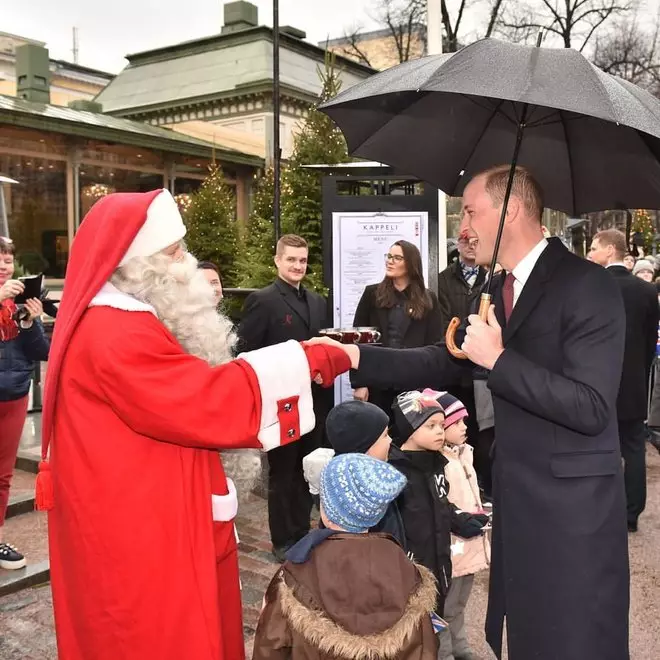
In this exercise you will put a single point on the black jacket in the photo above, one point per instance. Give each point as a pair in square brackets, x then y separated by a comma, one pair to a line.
[422, 332]
[455, 295]
[426, 513]
[559, 514]
[275, 314]
[640, 300]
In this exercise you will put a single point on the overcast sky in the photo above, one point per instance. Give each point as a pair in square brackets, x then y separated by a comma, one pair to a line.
[108, 31]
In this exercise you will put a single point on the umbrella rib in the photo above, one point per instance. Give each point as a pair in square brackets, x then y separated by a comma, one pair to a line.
[474, 100]
[570, 159]
[495, 111]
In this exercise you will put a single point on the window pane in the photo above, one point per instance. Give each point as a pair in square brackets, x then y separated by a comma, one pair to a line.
[37, 212]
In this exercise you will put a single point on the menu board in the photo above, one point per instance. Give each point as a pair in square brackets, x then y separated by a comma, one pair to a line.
[360, 242]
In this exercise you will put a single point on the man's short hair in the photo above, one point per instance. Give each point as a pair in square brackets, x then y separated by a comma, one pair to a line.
[615, 238]
[208, 265]
[290, 240]
[525, 187]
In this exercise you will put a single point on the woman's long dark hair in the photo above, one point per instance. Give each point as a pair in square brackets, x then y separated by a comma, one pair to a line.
[419, 300]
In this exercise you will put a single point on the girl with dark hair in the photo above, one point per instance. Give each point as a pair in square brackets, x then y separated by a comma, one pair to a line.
[405, 312]
[22, 343]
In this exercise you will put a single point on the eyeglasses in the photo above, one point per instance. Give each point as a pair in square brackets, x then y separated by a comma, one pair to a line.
[396, 258]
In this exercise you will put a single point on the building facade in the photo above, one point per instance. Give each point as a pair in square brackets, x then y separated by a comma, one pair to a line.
[68, 81]
[226, 81]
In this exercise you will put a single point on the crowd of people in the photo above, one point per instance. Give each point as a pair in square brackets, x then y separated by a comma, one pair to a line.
[381, 509]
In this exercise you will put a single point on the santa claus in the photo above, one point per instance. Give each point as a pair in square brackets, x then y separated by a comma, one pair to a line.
[141, 394]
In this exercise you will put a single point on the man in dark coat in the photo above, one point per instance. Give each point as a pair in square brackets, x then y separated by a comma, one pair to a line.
[554, 346]
[459, 286]
[640, 301]
[281, 311]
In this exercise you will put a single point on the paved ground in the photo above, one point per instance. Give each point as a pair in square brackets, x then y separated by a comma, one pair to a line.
[26, 623]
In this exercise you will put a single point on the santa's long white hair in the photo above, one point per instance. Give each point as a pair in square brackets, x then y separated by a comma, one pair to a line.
[184, 302]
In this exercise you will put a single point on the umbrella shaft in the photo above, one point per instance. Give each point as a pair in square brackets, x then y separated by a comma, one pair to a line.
[507, 194]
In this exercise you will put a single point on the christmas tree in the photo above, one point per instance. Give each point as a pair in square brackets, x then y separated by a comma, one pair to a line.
[255, 264]
[319, 141]
[643, 224]
[212, 228]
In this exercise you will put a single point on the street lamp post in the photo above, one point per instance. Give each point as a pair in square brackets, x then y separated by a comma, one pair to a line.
[434, 46]
[277, 155]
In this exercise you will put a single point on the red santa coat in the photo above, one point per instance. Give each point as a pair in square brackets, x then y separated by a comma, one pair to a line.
[139, 568]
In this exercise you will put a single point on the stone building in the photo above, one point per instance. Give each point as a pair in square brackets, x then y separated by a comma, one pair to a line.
[67, 81]
[225, 82]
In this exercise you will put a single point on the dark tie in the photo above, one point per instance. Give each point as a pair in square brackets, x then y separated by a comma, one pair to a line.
[507, 295]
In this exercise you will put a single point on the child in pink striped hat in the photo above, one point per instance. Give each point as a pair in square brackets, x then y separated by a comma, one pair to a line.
[468, 556]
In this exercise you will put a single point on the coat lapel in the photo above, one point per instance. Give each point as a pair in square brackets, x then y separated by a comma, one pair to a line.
[297, 305]
[534, 288]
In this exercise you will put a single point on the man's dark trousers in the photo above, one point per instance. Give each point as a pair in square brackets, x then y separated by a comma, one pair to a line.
[632, 437]
[289, 499]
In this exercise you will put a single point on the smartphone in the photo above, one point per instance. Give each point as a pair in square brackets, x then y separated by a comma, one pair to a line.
[33, 285]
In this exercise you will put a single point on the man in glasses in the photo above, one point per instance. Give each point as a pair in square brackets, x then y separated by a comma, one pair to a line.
[459, 286]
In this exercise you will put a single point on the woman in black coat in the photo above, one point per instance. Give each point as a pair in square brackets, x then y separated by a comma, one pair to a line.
[405, 312]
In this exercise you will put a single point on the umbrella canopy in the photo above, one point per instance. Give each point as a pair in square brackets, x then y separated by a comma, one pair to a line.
[591, 139]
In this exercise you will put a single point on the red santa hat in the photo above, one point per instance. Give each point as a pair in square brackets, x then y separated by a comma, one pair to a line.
[117, 228]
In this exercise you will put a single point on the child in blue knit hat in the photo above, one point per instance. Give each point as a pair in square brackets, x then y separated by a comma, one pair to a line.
[361, 428]
[344, 591]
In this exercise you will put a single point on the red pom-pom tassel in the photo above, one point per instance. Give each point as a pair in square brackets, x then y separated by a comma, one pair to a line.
[44, 499]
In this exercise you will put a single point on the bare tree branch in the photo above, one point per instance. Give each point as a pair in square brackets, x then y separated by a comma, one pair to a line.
[631, 52]
[575, 22]
[352, 48]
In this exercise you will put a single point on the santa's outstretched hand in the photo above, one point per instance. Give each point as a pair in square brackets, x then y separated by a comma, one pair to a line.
[325, 377]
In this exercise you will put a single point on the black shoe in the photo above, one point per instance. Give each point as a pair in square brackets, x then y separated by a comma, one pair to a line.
[632, 527]
[10, 558]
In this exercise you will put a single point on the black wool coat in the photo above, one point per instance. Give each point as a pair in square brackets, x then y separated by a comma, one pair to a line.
[560, 549]
[640, 300]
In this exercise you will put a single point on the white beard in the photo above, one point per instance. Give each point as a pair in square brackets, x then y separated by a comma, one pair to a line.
[185, 304]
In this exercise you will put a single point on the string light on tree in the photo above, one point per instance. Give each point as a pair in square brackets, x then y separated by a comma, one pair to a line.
[642, 223]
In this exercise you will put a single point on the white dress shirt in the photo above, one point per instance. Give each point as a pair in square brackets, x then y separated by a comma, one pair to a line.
[525, 267]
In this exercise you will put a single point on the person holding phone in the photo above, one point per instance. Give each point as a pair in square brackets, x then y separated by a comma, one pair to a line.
[22, 343]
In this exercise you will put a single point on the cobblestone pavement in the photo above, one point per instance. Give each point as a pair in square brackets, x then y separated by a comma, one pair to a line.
[26, 622]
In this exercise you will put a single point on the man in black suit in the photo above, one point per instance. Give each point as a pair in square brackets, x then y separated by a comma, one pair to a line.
[640, 301]
[281, 311]
[553, 345]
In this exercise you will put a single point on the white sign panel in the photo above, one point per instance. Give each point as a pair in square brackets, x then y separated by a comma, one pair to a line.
[360, 242]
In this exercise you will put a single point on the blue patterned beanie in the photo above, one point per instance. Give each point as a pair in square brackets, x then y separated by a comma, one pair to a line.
[356, 490]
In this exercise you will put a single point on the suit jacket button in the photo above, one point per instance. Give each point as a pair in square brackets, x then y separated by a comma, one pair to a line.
[287, 407]
[291, 433]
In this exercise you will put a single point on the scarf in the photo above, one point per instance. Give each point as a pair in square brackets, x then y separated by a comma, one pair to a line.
[8, 327]
[470, 273]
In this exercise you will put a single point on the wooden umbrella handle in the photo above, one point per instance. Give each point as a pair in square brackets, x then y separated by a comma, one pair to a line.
[484, 306]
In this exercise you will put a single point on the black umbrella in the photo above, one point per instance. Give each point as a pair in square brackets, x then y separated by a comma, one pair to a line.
[592, 140]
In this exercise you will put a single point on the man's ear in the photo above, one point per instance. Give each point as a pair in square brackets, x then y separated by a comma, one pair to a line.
[512, 209]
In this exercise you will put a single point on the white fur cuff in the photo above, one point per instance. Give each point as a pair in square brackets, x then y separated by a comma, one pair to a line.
[287, 408]
[225, 507]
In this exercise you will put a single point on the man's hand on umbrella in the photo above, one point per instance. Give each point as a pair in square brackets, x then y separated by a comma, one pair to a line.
[483, 340]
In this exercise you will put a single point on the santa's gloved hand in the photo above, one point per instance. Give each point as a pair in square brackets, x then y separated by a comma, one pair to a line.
[466, 525]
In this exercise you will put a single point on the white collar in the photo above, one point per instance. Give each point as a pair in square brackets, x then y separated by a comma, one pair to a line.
[111, 296]
[526, 265]
[616, 263]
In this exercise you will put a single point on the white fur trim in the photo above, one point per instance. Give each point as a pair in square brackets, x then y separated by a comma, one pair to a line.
[225, 507]
[283, 373]
[162, 228]
[111, 296]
